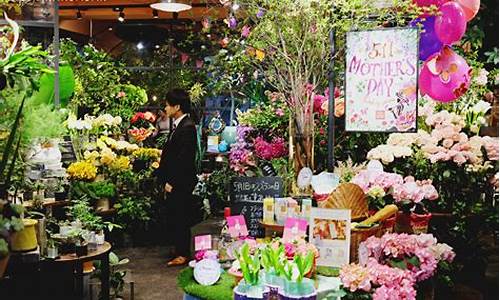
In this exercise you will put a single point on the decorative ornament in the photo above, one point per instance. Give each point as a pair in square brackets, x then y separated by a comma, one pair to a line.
[304, 178]
[216, 125]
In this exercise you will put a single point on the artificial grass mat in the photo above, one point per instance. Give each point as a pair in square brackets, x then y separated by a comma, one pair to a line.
[222, 290]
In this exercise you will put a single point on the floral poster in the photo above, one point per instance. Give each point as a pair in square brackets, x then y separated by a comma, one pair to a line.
[381, 80]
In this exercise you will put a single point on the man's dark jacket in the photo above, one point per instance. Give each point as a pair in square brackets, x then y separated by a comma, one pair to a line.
[177, 165]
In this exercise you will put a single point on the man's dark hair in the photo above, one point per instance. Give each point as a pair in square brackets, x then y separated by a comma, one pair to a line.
[179, 97]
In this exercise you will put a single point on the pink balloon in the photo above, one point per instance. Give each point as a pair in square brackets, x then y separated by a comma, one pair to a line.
[423, 3]
[470, 7]
[450, 25]
[445, 76]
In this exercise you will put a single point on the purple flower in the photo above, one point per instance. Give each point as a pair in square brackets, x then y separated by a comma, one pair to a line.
[232, 23]
[261, 12]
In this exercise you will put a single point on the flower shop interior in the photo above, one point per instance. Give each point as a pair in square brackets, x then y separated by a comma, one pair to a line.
[342, 149]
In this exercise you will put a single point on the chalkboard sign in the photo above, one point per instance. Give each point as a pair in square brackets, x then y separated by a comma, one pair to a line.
[247, 195]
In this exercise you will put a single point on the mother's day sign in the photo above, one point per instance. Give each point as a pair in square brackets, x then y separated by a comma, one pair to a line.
[381, 80]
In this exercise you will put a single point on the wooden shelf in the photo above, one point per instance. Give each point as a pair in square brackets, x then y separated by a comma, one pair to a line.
[48, 202]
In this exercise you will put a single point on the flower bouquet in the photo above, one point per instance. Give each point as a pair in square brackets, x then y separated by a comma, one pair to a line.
[142, 126]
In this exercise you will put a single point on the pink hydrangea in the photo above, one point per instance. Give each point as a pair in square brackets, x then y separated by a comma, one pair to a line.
[367, 179]
[414, 191]
[355, 277]
[403, 246]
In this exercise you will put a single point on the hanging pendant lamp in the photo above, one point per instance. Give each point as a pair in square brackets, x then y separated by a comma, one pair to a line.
[171, 6]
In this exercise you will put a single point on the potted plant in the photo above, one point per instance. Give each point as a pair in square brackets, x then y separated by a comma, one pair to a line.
[103, 191]
[52, 249]
[411, 196]
[296, 285]
[117, 275]
[250, 287]
[10, 222]
[61, 192]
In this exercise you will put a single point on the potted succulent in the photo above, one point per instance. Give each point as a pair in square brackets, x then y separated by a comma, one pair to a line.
[10, 222]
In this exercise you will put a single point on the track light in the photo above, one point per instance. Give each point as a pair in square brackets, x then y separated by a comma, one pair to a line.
[78, 15]
[155, 14]
[140, 46]
[121, 16]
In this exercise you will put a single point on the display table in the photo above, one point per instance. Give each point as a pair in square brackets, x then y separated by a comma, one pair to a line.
[272, 230]
[223, 289]
[102, 254]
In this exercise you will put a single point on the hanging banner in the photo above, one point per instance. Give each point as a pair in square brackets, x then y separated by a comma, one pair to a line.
[381, 78]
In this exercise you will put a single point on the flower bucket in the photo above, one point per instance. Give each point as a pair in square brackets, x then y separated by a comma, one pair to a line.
[294, 290]
[244, 291]
[420, 223]
[139, 165]
[25, 240]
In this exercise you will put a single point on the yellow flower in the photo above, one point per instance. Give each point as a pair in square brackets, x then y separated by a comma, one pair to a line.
[120, 164]
[82, 170]
[107, 156]
[147, 153]
[155, 165]
[91, 156]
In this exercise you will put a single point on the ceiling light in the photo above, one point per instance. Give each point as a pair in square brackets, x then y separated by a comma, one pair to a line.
[155, 14]
[171, 6]
[78, 15]
[155, 98]
[140, 46]
[121, 16]
[110, 28]
[157, 46]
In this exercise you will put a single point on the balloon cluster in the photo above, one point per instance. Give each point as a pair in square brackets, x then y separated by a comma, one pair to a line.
[445, 75]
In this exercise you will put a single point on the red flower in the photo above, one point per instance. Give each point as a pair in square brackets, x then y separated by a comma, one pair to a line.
[137, 117]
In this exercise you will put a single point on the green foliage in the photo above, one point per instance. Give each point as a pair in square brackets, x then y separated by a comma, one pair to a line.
[222, 290]
[272, 258]
[99, 86]
[94, 190]
[42, 121]
[81, 210]
[133, 210]
[304, 264]
[47, 83]
[117, 275]
[249, 264]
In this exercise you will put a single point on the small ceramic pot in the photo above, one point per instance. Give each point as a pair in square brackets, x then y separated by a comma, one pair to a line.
[52, 252]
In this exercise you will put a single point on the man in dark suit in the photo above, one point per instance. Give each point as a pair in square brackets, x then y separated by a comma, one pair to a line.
[177, 172]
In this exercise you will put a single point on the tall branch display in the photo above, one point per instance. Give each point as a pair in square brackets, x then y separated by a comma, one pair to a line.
[291, 44]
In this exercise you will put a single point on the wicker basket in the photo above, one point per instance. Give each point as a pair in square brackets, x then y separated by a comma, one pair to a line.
[359, 235]
[348, 196]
